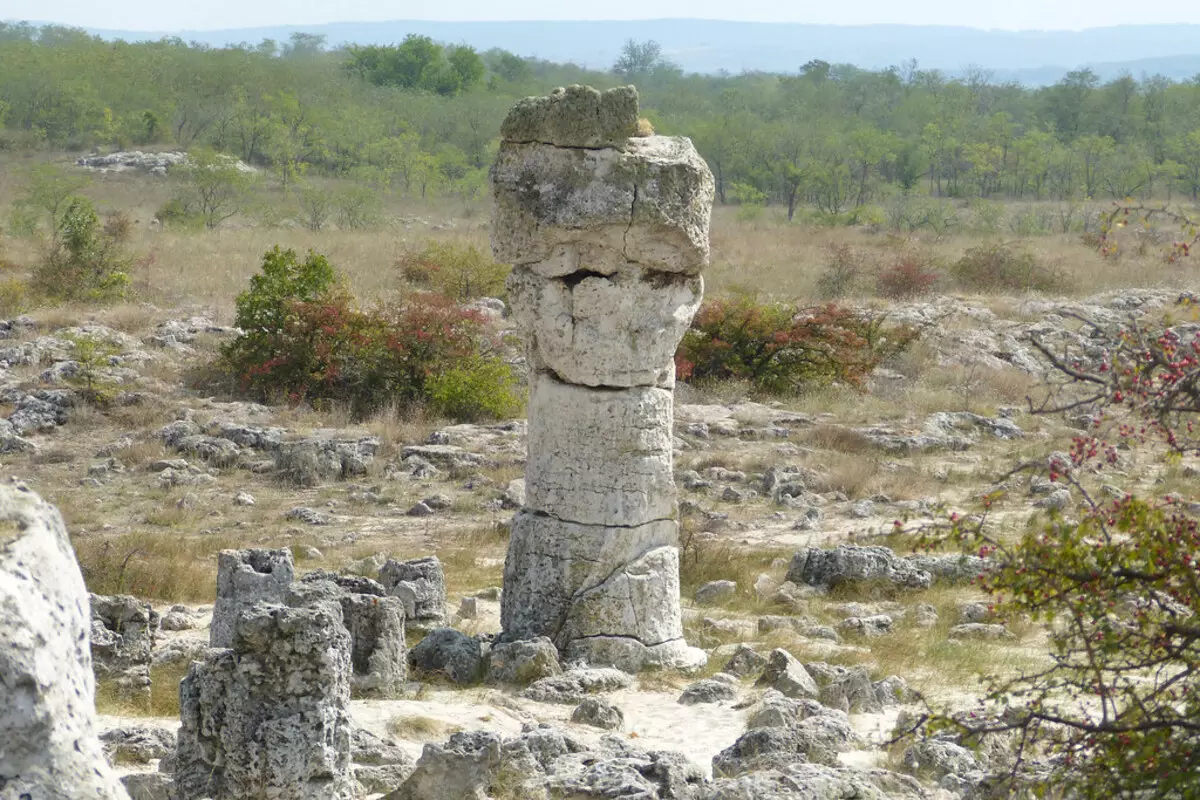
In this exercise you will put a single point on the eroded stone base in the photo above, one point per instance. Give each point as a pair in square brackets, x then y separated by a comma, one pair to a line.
[631, 655]
[569, 581]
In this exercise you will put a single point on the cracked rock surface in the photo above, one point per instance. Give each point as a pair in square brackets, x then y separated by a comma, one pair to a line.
[607, 235]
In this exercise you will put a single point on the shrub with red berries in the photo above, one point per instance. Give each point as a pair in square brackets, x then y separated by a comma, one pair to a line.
[1116, 580]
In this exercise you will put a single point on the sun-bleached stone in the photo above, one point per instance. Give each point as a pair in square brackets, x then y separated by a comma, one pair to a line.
[607, 237]
[563, 210]
[48, 745]
[575, 116]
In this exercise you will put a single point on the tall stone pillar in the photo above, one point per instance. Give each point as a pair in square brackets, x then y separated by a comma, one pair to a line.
[607, 233]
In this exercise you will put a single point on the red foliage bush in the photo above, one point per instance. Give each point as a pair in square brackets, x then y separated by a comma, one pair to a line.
[908, 276]
[782, 349]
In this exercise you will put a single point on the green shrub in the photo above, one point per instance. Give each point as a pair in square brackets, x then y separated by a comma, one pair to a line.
[93, 354]
[842, 273]
[305, 341]
[285, 279]
[82, 262]
[178, 213]
[460, 271]
[1006, 268]
[780, 349]
[479, 388]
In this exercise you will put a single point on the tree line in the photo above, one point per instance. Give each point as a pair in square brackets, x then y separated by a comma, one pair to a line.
[419, 117]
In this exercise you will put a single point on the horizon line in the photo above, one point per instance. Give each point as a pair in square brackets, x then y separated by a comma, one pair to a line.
[175, 31]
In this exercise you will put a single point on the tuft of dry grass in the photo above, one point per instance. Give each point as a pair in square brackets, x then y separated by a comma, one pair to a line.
[420, 728]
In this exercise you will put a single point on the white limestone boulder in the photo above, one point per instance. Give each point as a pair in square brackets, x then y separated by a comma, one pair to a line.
[48, 747]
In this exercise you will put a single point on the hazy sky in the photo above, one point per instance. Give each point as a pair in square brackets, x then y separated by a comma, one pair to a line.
[212, 14]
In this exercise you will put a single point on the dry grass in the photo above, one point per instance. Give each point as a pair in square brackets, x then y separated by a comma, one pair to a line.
[155, 565]
[164, 694]
[420, 728]
[702, 560]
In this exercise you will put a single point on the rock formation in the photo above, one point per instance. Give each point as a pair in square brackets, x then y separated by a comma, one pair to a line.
[48, 748]
[607, 235]
[268, 718]
[245, 577]
[421, 586]
[123, 632]
[374, 621]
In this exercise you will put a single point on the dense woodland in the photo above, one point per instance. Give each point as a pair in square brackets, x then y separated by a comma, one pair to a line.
[420, 118]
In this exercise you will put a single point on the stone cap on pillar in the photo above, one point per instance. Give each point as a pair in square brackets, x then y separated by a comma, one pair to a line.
[577, 116]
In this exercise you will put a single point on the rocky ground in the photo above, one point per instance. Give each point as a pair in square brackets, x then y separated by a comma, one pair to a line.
[815, 652]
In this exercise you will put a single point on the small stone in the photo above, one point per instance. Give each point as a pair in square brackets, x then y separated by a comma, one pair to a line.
[745, 662]
[468, 608]
[875, 625]
[176, 621]
[523, 662]
[597, 712]
[437, 502]
[450, 654]
[926, 615]
[718, 688]
[979, 630]
[715, 592]
[243, 499]
[973, 612]
[420, 510]
[309, 516]
[787, 676]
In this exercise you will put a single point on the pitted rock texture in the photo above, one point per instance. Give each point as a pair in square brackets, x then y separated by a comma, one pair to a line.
[123, 633]
[268, 718]
[607, 236]
[246, 577]
[421, 586]
[48, 747]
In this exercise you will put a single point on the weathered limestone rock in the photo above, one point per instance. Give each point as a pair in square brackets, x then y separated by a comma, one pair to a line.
[245, 577]
[48, 747]
[123, 632]
[577, 116]
[600, 458]
[269, 717]
[606, 330]
[421, 586]
[377, 653]
[607, 236]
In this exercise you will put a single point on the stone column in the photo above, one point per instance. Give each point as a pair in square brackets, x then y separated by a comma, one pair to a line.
[48, 745]
[607, 233]
[246, 577]
[269, 718]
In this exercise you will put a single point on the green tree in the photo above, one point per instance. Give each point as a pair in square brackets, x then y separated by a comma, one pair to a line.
[215, 186]
[639, 59]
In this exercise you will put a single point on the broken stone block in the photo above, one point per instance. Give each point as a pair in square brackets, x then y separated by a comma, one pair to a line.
[575, 116]
[123, 633]
[246, 577]
[421, 586]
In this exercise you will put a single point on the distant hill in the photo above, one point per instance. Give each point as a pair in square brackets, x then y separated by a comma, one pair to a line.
[1032, 57]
